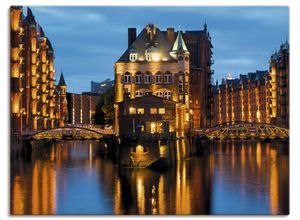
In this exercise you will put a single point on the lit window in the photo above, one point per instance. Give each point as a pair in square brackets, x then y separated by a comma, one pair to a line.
[148, 57]
[127, 78]
[161, 110]
[163, 151]
[138, 78]
[133, 57]
[148, 78]
[180, 86]
[156, 127]
[140, 111]
[138, 93]
[153, 110]
[159, 94]
[132, 111]
[158, 78]
[167, 95]
[168, 78]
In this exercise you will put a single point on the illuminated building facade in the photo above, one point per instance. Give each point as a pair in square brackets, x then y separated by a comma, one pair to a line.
[261, 97]
[279, 73]
[82, 108]
[152, 87]
[246, 98]
[34, 97]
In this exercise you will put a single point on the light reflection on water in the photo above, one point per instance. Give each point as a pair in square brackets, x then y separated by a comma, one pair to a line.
[71, 178]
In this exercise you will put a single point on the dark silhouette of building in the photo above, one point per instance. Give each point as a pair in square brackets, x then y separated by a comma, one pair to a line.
[101, 87]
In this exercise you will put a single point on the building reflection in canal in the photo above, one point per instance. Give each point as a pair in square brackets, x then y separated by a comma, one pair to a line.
[71, 177]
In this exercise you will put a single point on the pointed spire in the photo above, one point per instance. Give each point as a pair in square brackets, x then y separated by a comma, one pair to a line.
[179, 44]
[205, 27]
[62, 81]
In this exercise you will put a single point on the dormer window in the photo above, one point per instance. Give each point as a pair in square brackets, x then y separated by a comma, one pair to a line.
[152, 54]
[148, 56]
[133, 57]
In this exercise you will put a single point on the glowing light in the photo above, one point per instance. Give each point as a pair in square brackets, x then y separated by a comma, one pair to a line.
[155, 57]
[139, 149]
[153, 127]
[132, 110]
[163, 151]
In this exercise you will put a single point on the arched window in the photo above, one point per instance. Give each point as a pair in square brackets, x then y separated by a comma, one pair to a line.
[168, 95]
[139, 93]
[148, 78]
[158, 78]
[159, 94]
[138, 78]
[127, 77]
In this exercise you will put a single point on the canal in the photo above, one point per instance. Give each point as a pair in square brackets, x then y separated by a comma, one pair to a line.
[74, 177]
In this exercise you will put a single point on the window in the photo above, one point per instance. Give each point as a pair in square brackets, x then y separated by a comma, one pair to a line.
[140, 111]
[168, 78]
[159, 94]
[156, 127]
[133, 57]
[153, 110]
[158, 78]
[132, 111]
[138, 93]
[127, 78]
[180, 84]
[167, 95]
[138, 78]
[161, 111]
[163, 151]
[148, 57]
[148, 78]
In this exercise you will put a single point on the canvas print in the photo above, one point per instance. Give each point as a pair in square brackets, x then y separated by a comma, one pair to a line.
[149, 110]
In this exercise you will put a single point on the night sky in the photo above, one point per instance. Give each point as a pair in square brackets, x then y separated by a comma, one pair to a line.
[88, 40]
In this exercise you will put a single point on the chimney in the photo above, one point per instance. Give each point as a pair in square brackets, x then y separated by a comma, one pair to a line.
[170, 34]
[131, 35]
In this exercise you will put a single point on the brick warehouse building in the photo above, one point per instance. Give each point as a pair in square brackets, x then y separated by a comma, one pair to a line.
[200, 48]
[82, 108]
[261, 97]
[199, 45]
[36, 103]
[151, 67]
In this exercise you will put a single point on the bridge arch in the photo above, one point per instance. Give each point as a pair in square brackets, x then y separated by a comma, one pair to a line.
[73, 133]
[244, 130]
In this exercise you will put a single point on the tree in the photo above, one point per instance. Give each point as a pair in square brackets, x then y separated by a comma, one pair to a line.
[104, 114]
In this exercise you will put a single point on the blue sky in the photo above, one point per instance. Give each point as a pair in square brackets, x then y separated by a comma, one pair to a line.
[88, 40]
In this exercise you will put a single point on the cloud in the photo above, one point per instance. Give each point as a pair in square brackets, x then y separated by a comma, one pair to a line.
[88, 40]
[74, 14]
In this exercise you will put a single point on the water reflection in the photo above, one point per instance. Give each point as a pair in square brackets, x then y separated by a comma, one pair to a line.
[72, 178]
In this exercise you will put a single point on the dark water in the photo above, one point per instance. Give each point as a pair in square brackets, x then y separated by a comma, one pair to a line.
[71, 178]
